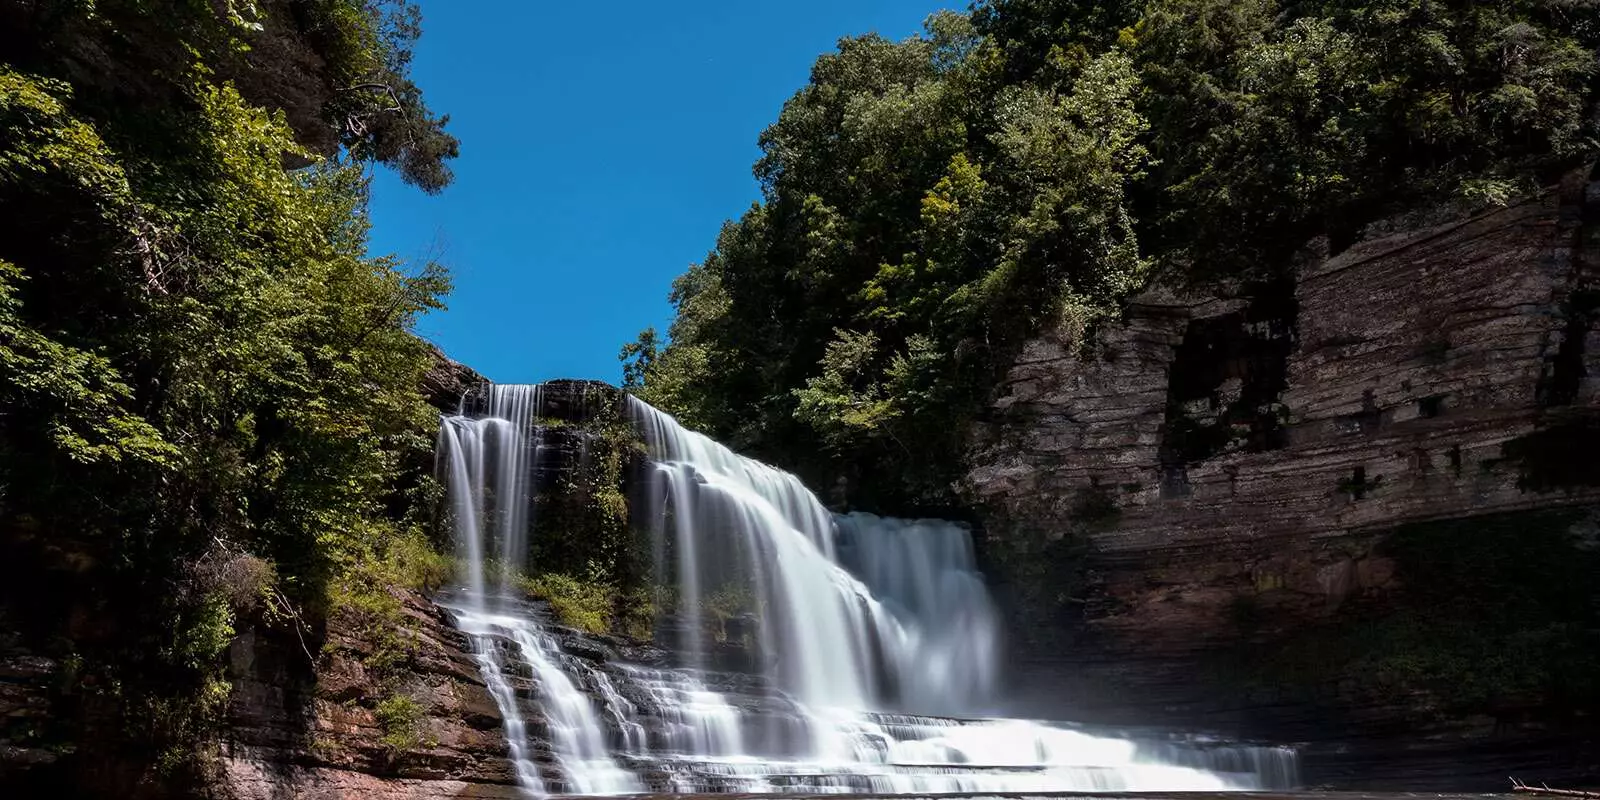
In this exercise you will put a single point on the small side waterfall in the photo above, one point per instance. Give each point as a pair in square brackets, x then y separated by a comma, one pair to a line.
[491, 463]
[870, 644]
[924, 573]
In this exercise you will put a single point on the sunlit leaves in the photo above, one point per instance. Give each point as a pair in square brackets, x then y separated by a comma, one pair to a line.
[930, 203]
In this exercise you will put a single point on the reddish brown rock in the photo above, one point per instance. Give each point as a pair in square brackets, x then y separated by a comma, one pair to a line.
[298, 735]
[447, 381]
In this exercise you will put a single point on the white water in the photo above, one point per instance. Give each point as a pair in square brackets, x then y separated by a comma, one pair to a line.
[491, 464]
[875, 641]
[924, 574]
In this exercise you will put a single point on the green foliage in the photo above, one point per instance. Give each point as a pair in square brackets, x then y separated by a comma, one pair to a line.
[78, 392]
[415, 564]
[338, 68]
[728, 603]
[836, 402]
[208, 388]
[635, 613]
[931, 203]
[400, 716]
[368, 590]
[585, 558]
[582, 603]
[380, 111]
[638, 358]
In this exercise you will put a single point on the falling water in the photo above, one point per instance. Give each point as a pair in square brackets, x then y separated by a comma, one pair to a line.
[924, 574]
[490, 465]
[872, 644]
[829, 640]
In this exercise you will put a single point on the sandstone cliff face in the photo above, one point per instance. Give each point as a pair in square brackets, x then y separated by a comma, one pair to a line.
[447, 381]
[302, 721]
[295, 734]
[1213, 474]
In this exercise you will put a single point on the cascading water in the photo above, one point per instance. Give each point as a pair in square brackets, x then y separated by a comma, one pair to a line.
[491, 463]
[871, 643]
[924, 573]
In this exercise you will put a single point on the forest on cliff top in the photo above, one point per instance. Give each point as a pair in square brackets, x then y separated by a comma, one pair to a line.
[930, 204]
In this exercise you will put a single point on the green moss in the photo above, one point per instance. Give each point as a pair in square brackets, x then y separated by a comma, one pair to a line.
[636, 612]
[414, 564]
[728, 603]
[578, 603]
[369, 596]
[400, 716]
[587, 558]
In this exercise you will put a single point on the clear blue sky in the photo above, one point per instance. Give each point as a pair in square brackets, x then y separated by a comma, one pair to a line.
[601, 149]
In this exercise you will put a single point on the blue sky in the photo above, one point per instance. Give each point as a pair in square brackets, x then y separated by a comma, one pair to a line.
[601, 150]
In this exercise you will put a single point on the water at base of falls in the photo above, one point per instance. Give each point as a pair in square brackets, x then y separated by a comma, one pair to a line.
[578, 725]
[877, 636]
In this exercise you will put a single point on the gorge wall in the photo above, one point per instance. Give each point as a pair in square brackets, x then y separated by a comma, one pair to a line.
[326, 733]
[1197, 515]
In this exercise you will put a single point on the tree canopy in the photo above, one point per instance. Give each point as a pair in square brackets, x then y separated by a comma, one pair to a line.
[928, 204]
[208, 387]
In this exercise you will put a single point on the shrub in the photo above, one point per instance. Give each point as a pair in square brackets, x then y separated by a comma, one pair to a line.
[582, 604]
[400, 716]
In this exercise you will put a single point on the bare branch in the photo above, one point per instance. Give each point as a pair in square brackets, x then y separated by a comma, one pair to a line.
[1544, 789]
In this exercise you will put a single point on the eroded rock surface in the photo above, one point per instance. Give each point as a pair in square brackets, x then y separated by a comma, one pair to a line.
[294, 736]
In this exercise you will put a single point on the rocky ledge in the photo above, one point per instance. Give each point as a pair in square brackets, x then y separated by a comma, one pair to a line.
[293, 734]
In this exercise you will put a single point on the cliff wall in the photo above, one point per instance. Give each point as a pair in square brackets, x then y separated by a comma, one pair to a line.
[1210, 485]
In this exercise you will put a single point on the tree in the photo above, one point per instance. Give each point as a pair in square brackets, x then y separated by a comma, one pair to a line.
[209, 390]
[929, 204]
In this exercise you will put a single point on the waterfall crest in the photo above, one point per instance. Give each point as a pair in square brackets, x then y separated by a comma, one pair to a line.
[873, 645]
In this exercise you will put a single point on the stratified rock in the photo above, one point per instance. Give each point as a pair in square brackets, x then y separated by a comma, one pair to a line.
[1219, 458]
[295, 734]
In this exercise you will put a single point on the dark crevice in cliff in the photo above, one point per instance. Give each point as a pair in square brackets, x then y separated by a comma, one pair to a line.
[1565, 370]
[1564, 379]
[1557, 458]
[1430, 407]
[1225, 382]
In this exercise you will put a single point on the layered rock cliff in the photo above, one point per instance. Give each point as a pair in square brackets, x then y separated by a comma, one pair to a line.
[1214, 486]
[1228, 513]
[300, 732]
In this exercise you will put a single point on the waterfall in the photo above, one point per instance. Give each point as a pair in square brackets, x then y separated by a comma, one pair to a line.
[924, 573]
[490, 464]
[870, 645]
[829, 640]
